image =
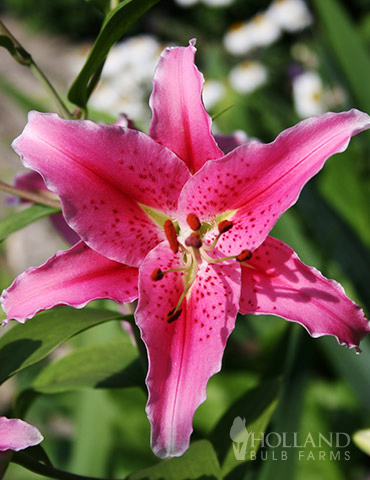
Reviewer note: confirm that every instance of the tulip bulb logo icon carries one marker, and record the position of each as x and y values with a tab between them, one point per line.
239	435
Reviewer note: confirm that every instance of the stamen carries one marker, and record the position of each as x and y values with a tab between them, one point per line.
171	235
193	222
209	259
224	226
157	274
194	240
173	315
244	255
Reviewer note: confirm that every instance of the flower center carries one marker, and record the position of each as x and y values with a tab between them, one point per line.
194	251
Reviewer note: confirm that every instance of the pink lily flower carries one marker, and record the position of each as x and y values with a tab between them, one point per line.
170	219
17	435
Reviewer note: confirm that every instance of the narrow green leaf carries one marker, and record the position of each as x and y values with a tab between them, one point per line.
24	345
349	366
287	417
254	409
38	454
200	461
8	44
116	23
108	365
18	220
87	454
335	236
344	41
23	402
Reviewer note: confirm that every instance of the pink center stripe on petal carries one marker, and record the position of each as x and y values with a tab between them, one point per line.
103	175
72	277
257	182
180	121
186	350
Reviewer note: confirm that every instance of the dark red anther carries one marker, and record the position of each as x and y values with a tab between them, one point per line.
173	315
244	255
194	240
171	235
157	274
225	226
193	222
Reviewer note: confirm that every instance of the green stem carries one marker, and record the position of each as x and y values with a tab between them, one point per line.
42	197
36	197
39	74
24	58
21	458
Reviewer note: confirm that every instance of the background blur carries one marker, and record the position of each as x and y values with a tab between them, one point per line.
266	65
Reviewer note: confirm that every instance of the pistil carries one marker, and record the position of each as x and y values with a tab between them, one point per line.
194	240
194	252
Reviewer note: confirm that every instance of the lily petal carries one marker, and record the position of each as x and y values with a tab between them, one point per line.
257	182
73	277
184	354
275	281
227	143
180	121
17	435
66	232
102	173
31	181
34	182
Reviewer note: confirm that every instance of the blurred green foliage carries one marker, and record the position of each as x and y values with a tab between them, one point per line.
325	387
55	16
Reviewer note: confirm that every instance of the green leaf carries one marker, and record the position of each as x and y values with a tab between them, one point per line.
289	411
108	365
38	454
8	44
115	24
344	41
25	345
333	235
18	220
349	366
255	407
349	175
200	461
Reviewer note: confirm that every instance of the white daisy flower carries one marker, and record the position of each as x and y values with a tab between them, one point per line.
290	15
213	92
308	94
247	76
